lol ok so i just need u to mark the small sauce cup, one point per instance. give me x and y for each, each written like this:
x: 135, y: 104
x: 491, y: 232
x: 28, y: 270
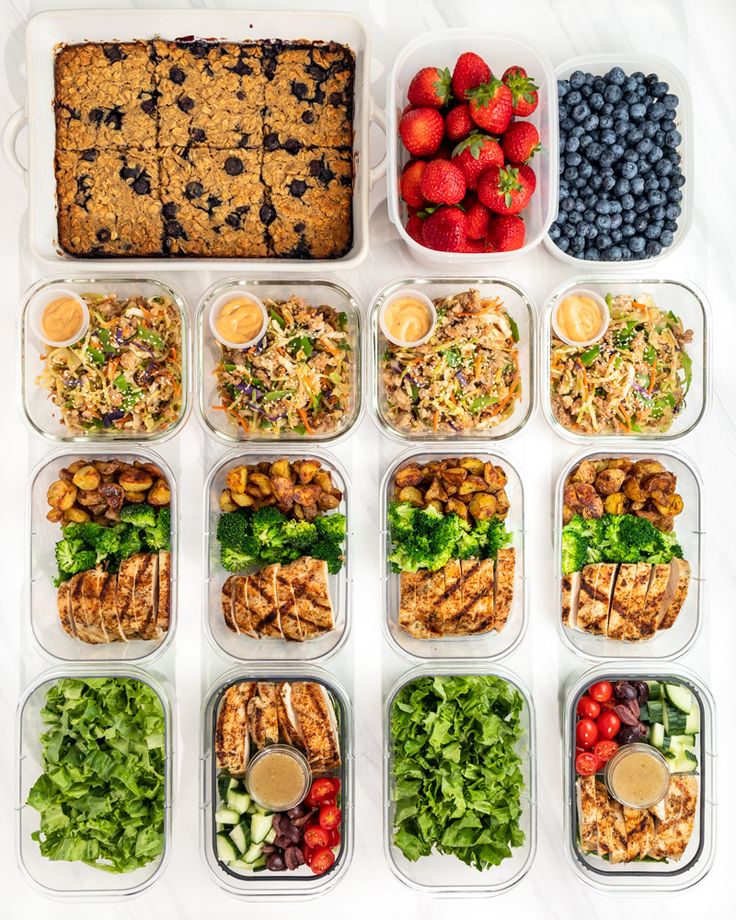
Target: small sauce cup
x: 229, y: 297
x: 637, y: 775
x: 576, y: 307
x: 278, y: 777
x: 44, y: 299
x: 415, y: 302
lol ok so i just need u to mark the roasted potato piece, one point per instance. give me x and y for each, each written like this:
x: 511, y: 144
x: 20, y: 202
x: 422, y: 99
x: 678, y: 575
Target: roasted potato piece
x: 77, y: 465
x: 283, y: 490
x: 455, y: 506
x: 263, y: 466
x: 659, y: 482
x: 453, y: 475
x: 586, y: 472
x: 307, y: 494
x: 281, y: 468
x: 76, y: 516
x: 432, y: 469
x: 646, y: 468
x: 310, y: 512
x: 615, y: 504
x: 583, y: 499
x: 435, y: 492
x: 62, y: 495
x: 226, y: 501
x: 111, y: 515
x: 237, y: 479
x: 89, y: 499
x: 54, y: 515
x: 472, y: 465
x: 472, y: 484
x: 635, y: 506
x: 323, y: 479
x: 242, y: 501
x: 633, y: 490
x: 668, y: 504
x: 306, y: 470
x: 151, y: 468
x: 160, y: 494
x: 327, y: 501
x: 65, y: 475
x: 483, y: 506
x: 609, y: 481
x: 567, y: 514
x: 134, y: 480
x: 261, y: 482
x: 107, y: 467
x: 112, y: 495
x: 494, y: 476
x: 408, y: 476
x: 502, y: 504
x: 412, y: 495
x: 619, y: 463
x: 137, y: 498
x: 298, y: 512
x: 437, y: 505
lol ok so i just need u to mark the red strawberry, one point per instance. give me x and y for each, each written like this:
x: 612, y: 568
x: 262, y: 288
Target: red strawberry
x: 408, y: 108
x: 507, y: 233
x: 527, y: 173
x: 475, y: 154
x: 430, y: 86
x: 445, y: 229
x: 478, y: 218
x: 490, y: 106
x: 458, y: 123
x: 524, y: 95
x: 520, y: 142
x: 476, y: 246
x: 504, y: 190
x: 470, y: 71
x: 443, y: 182
x: 414, y: 227
x: 409, y: 183
x: 422, y: 131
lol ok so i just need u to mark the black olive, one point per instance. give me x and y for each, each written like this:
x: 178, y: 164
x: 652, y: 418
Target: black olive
x: 624, y: 690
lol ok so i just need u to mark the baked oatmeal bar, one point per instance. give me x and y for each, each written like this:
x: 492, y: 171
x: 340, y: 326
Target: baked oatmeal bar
x: 109, y: 202
x: 309, y: 96
x: 105, y: 96
x: 211, y: 94
x: 309, y: 213
x: 212, y: 202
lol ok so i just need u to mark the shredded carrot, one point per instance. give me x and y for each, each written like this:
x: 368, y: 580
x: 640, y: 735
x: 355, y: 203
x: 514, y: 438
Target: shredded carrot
x: 650, y: 390
x: 243, y: 424
x: 328, y: 346
x: 219, y: 408
x: 626, y: 420
x: 305, y: 421
x: 436, y: 419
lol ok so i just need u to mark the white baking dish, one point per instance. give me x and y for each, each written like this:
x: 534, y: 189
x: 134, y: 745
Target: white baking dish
x: 46, y: 30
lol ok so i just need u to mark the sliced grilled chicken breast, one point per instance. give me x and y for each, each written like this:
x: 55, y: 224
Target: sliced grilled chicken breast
x: 226, y: 598
x: 672, y: 835
x: 163, y: 608
x: 288, y: 722
x: 639, y: 826
x: 587, y: 812
x: 264, y: 612
x: 263, y: 715
x: 604, y: 819
x: 618, y: 831
x: 127, y: 575
x: 85, y: 590
x: 637, y: 626
x: 241, y: 607
x: 142, y: 618
x: 430, y: 594
x: 408, y: 599
x: 676, y: 594
x: 570, y: 598
x: 64, y: 606
x: 232, y: 747
x: 288, y: 615
x: 452, y: 596
x: 596, y: 587
x: 503, y: 586
x: 109, y: 609
x: 476, y: 615
x: 317, y: 725
x: 310, y: 584
x: 657, y: 588
x: 621, y: 600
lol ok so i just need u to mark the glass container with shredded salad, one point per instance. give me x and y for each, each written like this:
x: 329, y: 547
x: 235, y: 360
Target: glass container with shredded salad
x: 125, y: 373
x: 634, y: 380
x: 296, y: 380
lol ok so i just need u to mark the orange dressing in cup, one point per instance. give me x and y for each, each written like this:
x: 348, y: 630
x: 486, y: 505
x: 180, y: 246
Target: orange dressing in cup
x: 407, y: 319
x: 239, y: 320
x: 579, y: 318
x: 61, y: 320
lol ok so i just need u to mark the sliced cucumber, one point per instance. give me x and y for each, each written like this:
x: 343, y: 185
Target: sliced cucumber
x: 676, y: 720
x: 238, y: 800
x: 681, y: 742
x: 644, y: 713
x: 656, y: 735
x: 270, y: 836
x: 226, y: 783
x: 227, y: 816
x: 239, y: 837
x: 226, y: 851
x: 680, y: 697
x: 692, y: 724
x: 241, y: 864
x: 260, y: 825
x: 655, y: 690
x: 682, y: 762
x: 655, y: 710
x: 253, y: 852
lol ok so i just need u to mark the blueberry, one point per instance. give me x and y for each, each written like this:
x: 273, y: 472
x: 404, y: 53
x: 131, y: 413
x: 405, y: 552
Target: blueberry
x: 666, y: 238
x: 629, y: 85
x: 563, y: 88
x: 638, y: 77
x: 629, y: 169
x: 567, y: 204
x: 580, y: 205
x: 627, y: 230
x: 554, y: 231
x: 664, y: 183
x: 621, y: 127
x: 573, y: 159
x: 581, y: 111
x: 631, y: 98
x: 633, y: 135
x: 566, y: 123
x: 570, y: 173
x: 585, y: 141
x: 577, y: 78
x: 667, y: 124
x: 651, y: 183
x: 672, y: 211
x: 637, y: 185
x: 603, y: 207
x: 660, y: 88
x: 612, y: 93
x: 563, y: 243
x: 573, y: 98
x: 636, y: 244
x: 641, y: 206
x: 670, y: 101
x: 603, y: 222
x: 607, y: 158
x: 594, y: 151
x: 579, y: 183
x: 615, y: 221
x: 585, y: 90
x: 572, y: 144
x: 627, y: 202
x: 653, y: 248
x: 648, y: 129
x: 656, y: 111
x: 641, y: 91
x: 615, y: 254
x: 658, y: 213
x: 659, y: 137
x: 670, y: 225
x: 589, y: 214
x: 608, y: 182
x: 621, y: 112
x: 644, y: 166
x: 622, y: 186
x: 673, y: 138
x: 596, y: 101
x: 578, y: 131
x: 631, y: 156
x: 592, y: 254
x: 605, y: 121
x: 663, y: 167
x: 678, y: 181
x: 585, y: 170
x: 598, y: 84
x: 644, y: 145
x: 604, y: 240
x: 574, y: 218
x: 607, y: 108
x: 577, y: 244
x: 616, y: 235
x: 561, y: 144
x: 570, y: 230
x: 655, y: 154
x: 638, y: 111
x: 595, y: 181
x: 653, y: 231
x: 591, y: 122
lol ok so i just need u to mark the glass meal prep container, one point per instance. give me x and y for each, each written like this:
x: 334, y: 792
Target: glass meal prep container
x: 51, y: 638
x: 487, y: 645
x: 519, y: 308
x: 245, y: 647
x: 441, y: 875
x: 681, y: 298
x: 644, y: 876
x: 441, y: 49
x: 41, y: 414
x: 315, y: 293
x: 666, y: 643
x: 76, y: 880
x: 599, y: 64
x: 299, y: 884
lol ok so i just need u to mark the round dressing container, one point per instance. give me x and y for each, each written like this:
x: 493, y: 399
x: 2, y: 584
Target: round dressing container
x: 58, y: 316
x: 581, y: 318
x: 278, y: 777
x: 238, y: 319
x: 408, y: 318
x: 637, y: 776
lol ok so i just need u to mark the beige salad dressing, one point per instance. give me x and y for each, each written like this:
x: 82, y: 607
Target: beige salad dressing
x: 239, y: 320
x: 61, y: 320
x: 579, y: 318
x: 277, y: 780
x: 407, y: 319
x: 640, y: 779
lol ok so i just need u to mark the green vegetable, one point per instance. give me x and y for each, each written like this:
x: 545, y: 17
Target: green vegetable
x: 649, y: 354
x: 158, y: 537
x: 96, y: 355
x: 452, y: 356
x: 102, y: 791
x: 232, y: 529
x: 331, y: 527
x: 153, y: 338
x: 72, y: 556
x: 301, y: 343
x: 622, y: 338
x: 277, y: 319
x: 141, y: 515
x: 615, y: 538
x: 687, y: 367
x: 107, y: 345
x: 457, y: 770
x: 590, y: 355
x: 481, y: 402
x: 514, y: 327
x: 235, y: 560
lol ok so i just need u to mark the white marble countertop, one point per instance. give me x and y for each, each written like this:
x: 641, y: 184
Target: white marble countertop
x: 698, y: 37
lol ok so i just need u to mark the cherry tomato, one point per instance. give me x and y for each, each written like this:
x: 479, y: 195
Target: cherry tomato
x: 320, y: 790
x: 336, y: 784
x: 601, y: 691
x: 586, y: 732
x: 587, y: 763
x: 308, y: 854
x: 588, y: 708
x: 608, y: 724
x: 334, y: 840
x: 329, y: 817
x: 604, y: 750
x: 322, y: 860
x: 316, y: 837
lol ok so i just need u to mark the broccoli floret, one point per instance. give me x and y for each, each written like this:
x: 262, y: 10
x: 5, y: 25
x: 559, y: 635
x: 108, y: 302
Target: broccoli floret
x: 235, y: 560
x: 400, y: 518
x: 331, y: 527
x: 470, y: 546
x: 299, y: 536
x: 574, y: 551
x: 233, y: 529
x: 267, y: 525
x: 492, y: 535
x: 140, y: 515
x: 158, y: 537
x: 330, y: 553
x: 130, y: 543
x: 629, y: 538
x: 428, y: 542
x: 71, y: 557
x: 105, y: 541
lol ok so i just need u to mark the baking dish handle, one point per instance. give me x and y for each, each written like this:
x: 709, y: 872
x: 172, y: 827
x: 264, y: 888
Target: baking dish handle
x: 378, y: 117
x: 12, y: 128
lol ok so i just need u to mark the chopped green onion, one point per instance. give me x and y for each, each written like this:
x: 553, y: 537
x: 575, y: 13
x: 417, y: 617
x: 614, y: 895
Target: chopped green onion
x: 590, y: 355
x: 514, y: 327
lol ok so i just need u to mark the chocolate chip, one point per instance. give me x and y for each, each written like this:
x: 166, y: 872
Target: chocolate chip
x: 299, y: 90
x: 319, y: 95
x: 243, y: 142
x: 242, y: 69
x: 141, y: 186
x: 292, y: 146
x: 213, y: 202
x: 185, y: 103
x: 170, y: 209
x: 335, y: 99
x: 235, y: 218
x: 319, y: 169
x: 299, y: 228
x: 199, y: 48
x: 89, y: 156
x: 174, y: 230
x: 267, y: 214
x: 114, y: 119
x: 148, y: 106
x: 194, y: 190
x: 198, y: 134
x: 297, y: 188
x: 346, y: 181
x: 127, y: 172
x: 240, y: 95
x: 308, y: 117
x: 103, y: 235
x: 234, y: 166
x: 177, y: 75
x: 271, y: 141
x: 96, y: 116
x: 113, y: 53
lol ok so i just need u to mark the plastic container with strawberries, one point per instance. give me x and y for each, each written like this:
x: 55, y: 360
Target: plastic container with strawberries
x: 473, y: 150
